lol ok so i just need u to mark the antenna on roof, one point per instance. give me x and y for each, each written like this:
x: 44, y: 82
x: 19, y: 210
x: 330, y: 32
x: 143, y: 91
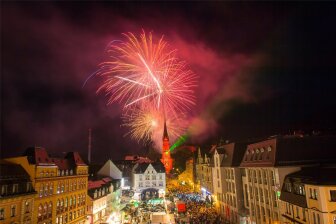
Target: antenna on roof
x: 89, y: 147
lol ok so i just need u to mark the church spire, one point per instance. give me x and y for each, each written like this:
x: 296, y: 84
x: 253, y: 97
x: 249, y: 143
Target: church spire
x: 165, y: 132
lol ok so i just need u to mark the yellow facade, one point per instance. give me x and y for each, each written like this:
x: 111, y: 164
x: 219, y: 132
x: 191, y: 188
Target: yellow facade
x: 61, y: 194
x: 17, y: 209
x: 321, y: 206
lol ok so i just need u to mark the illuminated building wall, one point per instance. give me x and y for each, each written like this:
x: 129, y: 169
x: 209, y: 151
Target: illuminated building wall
x: 16, y: 194
x: 227, y: 185
x: 99, y: 188
x: 61, y: 186
x: 309, y: 196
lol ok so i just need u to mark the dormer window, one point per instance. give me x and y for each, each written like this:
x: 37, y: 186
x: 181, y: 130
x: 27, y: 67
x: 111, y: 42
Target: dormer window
x: 252, y: 154
x: 288, y: 187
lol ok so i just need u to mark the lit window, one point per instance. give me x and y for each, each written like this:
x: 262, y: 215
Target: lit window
x: 27, y: 207
x: 2, y: 213
x: 13, y: 210
x: 315, y: 194
x: 41, y: 190
x: 51, y: 188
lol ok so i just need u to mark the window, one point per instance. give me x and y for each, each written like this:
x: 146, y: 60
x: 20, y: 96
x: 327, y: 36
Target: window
x: 288, y: 187
x: 41, y: 190
x: 297, y: 212
x: 15, y: 188
x: 315, y: 194
x: 303, y: 214
x: 29, y: 187
x: 2, y: 213
x: 39, y: 214
x: 50, y: 208
x: 58, y: 188
x: 51, y: 188
x: 333, y: 219
x: 333, y: 195
x: 27, y: 207
x: 314, y: 220
x: 3, y: 189
x: 302, y: 190
x: 268, y: 155
x: 13, y: 210
x: 46, y: 188
x: 45, y: 209
x: 58, y: 204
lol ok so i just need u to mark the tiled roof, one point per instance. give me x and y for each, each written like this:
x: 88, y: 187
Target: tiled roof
x: 98, y: 181
x: 75, y: 158
x: 39, y: 156
x: 159, y: 167
x: 141, y: 167
x: 62, y: 164
x: 290, y: 151
x: 13, y: 173
x: 315, y: 175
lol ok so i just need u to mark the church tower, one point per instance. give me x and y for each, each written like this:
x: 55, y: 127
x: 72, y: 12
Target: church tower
x: 166, y: 159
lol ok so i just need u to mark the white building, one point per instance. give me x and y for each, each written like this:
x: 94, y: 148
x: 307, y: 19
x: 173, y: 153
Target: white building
x: 113, y: 199
x: 148, y: 180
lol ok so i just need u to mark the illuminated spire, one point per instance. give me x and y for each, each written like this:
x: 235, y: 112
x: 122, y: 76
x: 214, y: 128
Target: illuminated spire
x: 165, y: 132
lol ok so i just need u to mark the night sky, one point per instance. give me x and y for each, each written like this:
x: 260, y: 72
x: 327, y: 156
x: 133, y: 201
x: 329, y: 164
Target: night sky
x: 264, y: 69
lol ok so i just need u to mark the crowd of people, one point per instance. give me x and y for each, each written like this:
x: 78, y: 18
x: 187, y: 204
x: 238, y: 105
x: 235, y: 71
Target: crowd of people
x: 199, y: 210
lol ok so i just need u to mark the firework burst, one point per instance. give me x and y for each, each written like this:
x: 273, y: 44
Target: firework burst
x: 150, y: 82
x: 146, y: 124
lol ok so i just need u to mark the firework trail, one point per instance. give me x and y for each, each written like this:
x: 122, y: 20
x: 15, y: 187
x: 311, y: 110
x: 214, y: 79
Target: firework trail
x: 150, y: 82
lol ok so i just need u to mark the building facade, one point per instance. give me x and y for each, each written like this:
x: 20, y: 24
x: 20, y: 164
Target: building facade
x: 113, y: 199
x: 204, y: 174
x: 61, y: 186
x: 309, y: 196
x: 97, y: 202
x: 227, y: 179
x: 268, y: 162
x: 16, y: 194
x: 149, y: 180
